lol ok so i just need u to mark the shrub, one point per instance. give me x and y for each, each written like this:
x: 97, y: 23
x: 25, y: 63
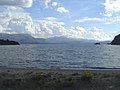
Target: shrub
x: 87, y: 76
x: 106, y: 75
x: 117, y: 75
x: 38, y: 77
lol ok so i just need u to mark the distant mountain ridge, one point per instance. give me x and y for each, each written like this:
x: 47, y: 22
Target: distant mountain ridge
x: 28, y: 39
x: 63, y: 39
x: 22, y: 38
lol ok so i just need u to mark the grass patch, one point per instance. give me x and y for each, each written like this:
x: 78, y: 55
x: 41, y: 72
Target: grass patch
x: 117, y: 75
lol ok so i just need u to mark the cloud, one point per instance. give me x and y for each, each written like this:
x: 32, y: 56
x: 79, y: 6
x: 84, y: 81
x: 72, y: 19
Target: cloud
x: 111, y: 7
x: 98, y: 34
x: 2, y: 30
x: 76, y: 32
x: 51, y: 18
x: 49, y: 4
x: 54, y: 4
x: 105, y: 20
x: 22, y: 3
x: 92, y: 33
x: 48, y: 29
x: 16, y: 20
x: 86, y: 19
x: 62, y: 10
x: 46, y: 2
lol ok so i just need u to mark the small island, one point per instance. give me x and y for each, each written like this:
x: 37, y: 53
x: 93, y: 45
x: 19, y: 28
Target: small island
x: 97, y: 43
x: 8, y: 42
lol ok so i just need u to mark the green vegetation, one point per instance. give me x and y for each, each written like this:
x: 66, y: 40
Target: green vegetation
x: 58, y: 81
x: 117, y: 75
x: 87, y: 76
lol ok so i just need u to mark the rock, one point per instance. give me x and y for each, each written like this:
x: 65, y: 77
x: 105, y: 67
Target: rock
x: 116, y: 40
x: 7, y: 42
x: 97, y: 43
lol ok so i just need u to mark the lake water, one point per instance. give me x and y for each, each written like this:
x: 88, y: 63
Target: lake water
x: 60, y: 56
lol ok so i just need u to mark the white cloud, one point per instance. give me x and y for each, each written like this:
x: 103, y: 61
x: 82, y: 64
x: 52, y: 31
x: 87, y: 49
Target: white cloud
x: 112, y: 20
x: 98, y: 34
x: 48, y: 29
x: 54, y: 4
x: 51, y: 18
x: 49, y: 3
x: 86, y: 19
x: 16, y: 20
x: 76, y: 32
x: 93, y: 33
x: 62, y: 10
x: 2, y: 30
x: 46, y: 2
x: 105, y: 20
x: 22, y: 3
x: 111, y: 7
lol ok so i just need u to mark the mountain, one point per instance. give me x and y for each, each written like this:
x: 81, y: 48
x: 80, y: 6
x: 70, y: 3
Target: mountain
x: 116, y: 40
x: 68, y: 40
x: 22, y: 38
x: 28, y: 39
x: 58, y: 40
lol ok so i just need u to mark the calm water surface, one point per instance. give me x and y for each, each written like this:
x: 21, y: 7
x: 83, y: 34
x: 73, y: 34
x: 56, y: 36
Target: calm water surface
x: 60, y: 56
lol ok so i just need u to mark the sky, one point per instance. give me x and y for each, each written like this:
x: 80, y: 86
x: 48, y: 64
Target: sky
x: 80, y: 19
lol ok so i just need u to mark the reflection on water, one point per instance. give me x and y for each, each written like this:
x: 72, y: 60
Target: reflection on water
x: 60, y: 56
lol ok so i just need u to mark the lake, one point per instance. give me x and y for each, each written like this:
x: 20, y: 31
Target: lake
x: 60, y: 56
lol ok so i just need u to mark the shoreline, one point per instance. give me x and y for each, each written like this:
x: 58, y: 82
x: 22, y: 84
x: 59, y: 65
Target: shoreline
x: 107, y: 71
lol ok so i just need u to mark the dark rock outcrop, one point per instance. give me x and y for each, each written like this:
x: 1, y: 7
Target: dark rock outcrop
x: 7, y: 42
x: 116, y: 40
x: 97, y: 43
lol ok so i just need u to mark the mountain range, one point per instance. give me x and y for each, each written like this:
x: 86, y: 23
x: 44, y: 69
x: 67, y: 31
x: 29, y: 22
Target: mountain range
x: 22, y: 38
x: 28, y: 39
